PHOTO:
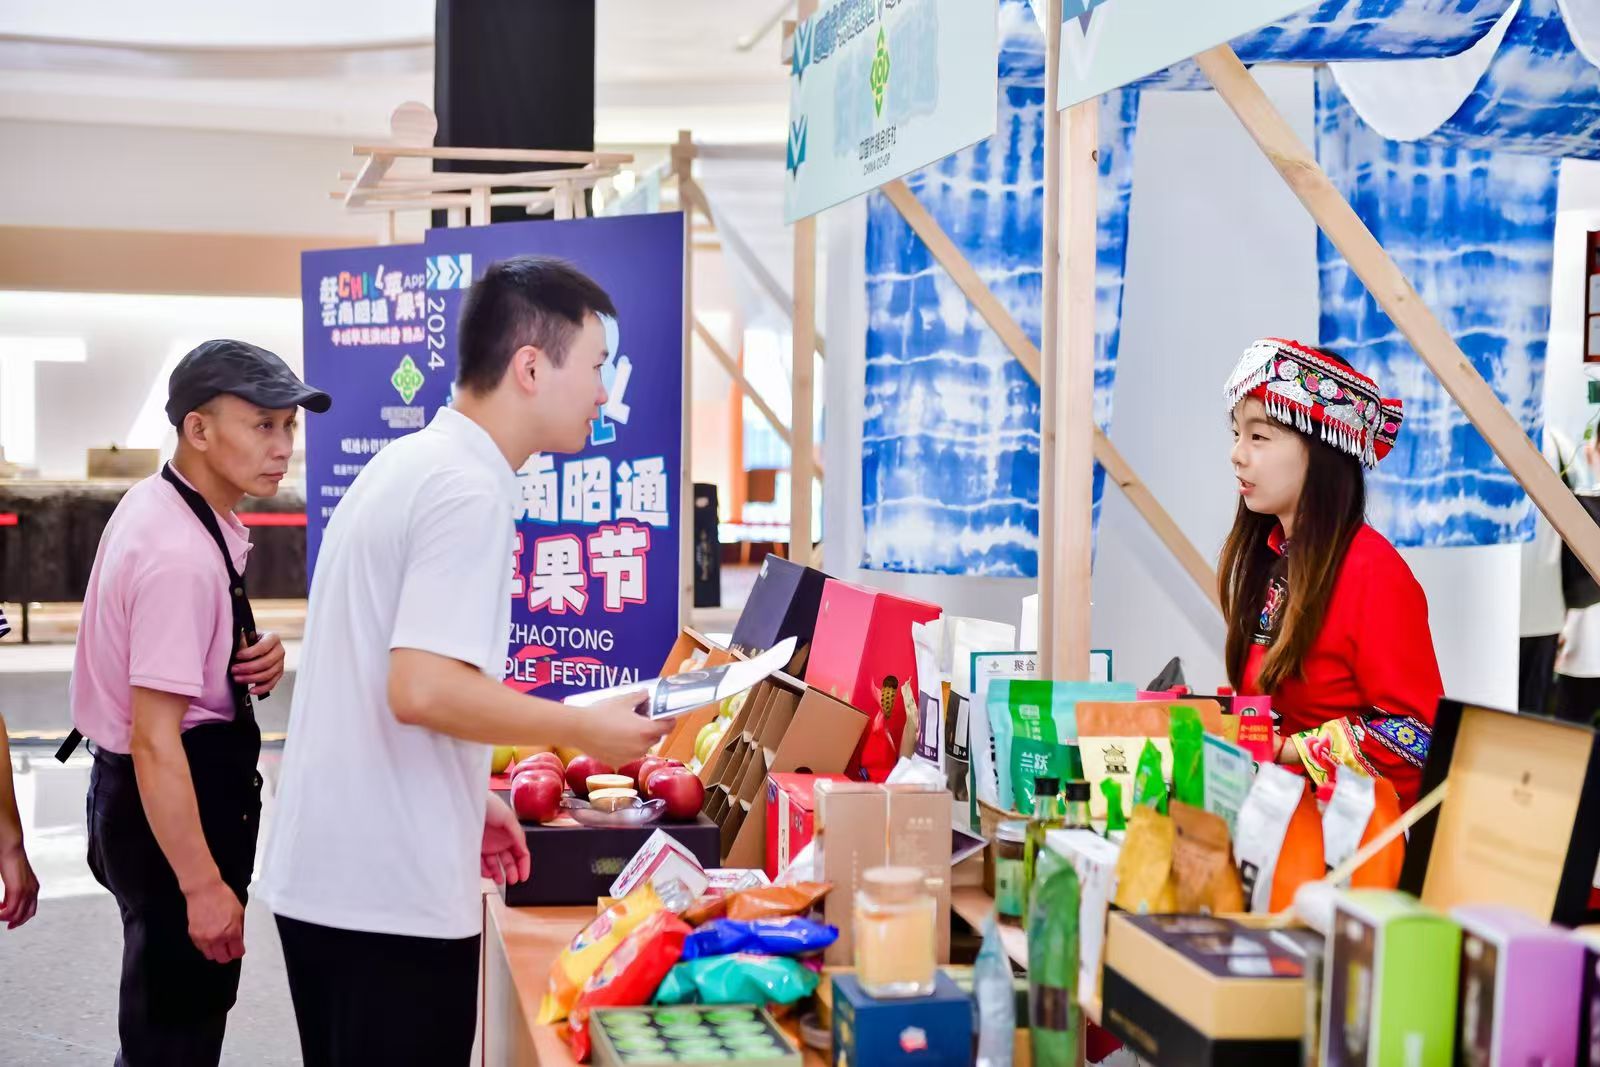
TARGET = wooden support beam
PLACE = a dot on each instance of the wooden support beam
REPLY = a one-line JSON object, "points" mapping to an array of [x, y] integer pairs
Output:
{"points": [[1022, 347], [499, 155], [1068, 599], [695, 197], [1049, 323], [681, 170], [803, 334], [731, 365], [1394, 293], [478, 206]]}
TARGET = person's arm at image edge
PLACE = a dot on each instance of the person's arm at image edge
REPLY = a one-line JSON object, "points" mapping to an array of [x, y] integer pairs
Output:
{"points": [[20, 897], [166, 789]]}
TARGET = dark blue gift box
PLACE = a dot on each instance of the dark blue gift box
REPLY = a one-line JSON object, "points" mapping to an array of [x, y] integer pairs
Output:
{"points": [[931, 1031]]}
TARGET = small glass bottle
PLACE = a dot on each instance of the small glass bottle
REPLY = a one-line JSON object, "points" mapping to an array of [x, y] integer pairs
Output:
{"points": [[1077, 817], [895, 933], [1046, 816], [1010, 882]]}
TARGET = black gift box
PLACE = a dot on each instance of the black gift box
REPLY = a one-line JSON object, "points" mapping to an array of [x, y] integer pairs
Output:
{"points": [[783, 603], [1521, 824], [574, 864]]}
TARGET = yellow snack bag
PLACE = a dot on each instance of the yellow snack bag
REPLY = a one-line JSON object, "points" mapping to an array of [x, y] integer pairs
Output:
{"points": [[591, 948]]}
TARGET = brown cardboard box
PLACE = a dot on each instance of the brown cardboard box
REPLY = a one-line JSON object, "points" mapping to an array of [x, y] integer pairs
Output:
{"points": [[784, 727], [861, 825]]}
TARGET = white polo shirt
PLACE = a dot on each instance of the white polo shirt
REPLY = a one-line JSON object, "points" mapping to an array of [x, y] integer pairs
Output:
{"points": [[379, 825]]}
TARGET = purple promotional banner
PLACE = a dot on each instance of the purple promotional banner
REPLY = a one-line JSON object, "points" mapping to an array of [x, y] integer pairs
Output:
{"points": [[596, 580], [367, 343]]}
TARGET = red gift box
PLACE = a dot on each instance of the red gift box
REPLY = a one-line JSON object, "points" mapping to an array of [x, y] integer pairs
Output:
{"points": [[862, 654], [791, 816]]}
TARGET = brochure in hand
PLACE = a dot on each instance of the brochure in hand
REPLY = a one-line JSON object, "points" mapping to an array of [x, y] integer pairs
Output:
{"points": [[666, 698]]}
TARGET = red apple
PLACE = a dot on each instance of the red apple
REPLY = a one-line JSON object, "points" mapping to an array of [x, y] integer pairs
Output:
{"points": [[543, 759], [682, 790], [648, 766], [536, 796], [631, 768], [664, 765], [579, 770]]}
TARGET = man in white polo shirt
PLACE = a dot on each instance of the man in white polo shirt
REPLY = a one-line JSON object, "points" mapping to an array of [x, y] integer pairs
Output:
{"points": [[384, 822]]}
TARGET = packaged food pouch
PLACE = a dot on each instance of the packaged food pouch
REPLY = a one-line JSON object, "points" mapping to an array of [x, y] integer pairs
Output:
{"points": [[1360, 810], [1301, 859], [776, 901], [1111, 789], [995, 995], [1188, 770], [963, 638], [933, 687], [1149, 788], [1144, 868], [590, 949], [790, 936], [1262, 825], [1202, 863], [630, 976], [1036, 731], [738, 979]]}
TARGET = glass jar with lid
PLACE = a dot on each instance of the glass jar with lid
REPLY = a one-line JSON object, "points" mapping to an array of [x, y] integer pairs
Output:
{"points": [[895, 933], [1010, 878]]}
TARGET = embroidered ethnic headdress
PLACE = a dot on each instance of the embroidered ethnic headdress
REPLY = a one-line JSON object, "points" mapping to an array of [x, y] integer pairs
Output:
{"points": [[1301, 387]]}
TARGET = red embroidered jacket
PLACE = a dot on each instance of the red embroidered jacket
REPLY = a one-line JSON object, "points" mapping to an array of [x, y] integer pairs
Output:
{"points": [[1372, 663]]}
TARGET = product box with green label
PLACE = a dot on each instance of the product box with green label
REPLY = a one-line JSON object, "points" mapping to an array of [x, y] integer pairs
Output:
{"points": [[1392, 982]]}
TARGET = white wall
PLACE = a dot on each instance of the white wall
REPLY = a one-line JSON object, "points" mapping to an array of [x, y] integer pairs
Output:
{"points": [[1219, 253]]}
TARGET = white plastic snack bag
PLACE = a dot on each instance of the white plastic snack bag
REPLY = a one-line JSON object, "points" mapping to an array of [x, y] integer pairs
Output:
{"points": [[1347, 815], [1263, 825], [933, 681], [965, 637]]}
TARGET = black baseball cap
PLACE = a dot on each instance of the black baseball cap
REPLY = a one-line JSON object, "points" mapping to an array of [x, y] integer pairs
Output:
{"points": [[245, 370]]}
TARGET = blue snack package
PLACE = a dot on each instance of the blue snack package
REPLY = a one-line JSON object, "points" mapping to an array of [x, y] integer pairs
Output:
{"points": [[789, 936]]}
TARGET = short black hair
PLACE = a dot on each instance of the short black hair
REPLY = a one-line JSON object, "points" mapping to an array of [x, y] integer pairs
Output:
{"points": [[525, 300]]}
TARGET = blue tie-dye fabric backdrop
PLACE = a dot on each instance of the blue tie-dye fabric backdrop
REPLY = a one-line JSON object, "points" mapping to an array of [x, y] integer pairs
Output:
{"points": [[1473, 231], [950, 443]]}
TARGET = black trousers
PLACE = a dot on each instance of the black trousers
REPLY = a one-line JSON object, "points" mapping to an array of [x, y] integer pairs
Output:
{"points": [[1536, 672], [173, 1002], [381, 998], [1577, 699]]}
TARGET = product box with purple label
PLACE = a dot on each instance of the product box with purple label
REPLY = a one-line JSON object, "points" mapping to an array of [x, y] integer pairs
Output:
{"points": [[1521, 983]]}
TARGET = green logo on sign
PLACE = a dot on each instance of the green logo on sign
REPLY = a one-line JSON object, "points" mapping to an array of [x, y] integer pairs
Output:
{"points": [[407, 379], [879, 77]]}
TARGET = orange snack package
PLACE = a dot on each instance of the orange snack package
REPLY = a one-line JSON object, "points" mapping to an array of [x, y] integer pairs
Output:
{"points": [[1301, 859], [1383, 870], [595, 942], [776, 901]]}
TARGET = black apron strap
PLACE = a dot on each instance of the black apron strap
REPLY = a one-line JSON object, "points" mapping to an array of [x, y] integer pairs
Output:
{"points": [[244, 619]]}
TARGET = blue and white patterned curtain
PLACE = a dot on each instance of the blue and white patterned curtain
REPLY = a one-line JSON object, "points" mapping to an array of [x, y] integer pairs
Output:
{"points": [[950, 443], [1473, 231]]}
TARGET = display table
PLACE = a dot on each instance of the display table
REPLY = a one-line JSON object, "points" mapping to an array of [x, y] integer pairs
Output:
{"points": [[519, 944]]}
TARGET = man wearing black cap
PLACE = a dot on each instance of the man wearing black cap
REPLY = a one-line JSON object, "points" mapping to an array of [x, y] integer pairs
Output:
{"points": [[167, 661]]}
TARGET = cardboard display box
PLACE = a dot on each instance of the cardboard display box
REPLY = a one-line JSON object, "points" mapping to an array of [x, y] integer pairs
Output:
{"points": [[1202, 990], [574, 864], [783, 603], [863, 654], [1521, 987], [1393, 967], [784, 727], [862, 825], [1521, 824]]}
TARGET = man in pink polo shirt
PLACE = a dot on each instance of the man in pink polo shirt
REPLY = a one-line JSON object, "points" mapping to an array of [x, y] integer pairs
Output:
{"points": [[167, 661]]}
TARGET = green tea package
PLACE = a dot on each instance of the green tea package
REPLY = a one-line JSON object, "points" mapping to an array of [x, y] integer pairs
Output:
{"points": [[1188, 754], [1149, 787], [1035, 730], [1111, 790]]}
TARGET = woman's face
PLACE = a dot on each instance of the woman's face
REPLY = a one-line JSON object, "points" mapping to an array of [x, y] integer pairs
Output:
{"points": [[1269, 459]]}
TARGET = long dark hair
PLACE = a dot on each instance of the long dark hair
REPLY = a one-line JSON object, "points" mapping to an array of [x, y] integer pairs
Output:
{"points": [[1333, 506]]}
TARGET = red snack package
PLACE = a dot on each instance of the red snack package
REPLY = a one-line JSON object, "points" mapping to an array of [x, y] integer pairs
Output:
{"points": [[630, 975]]}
